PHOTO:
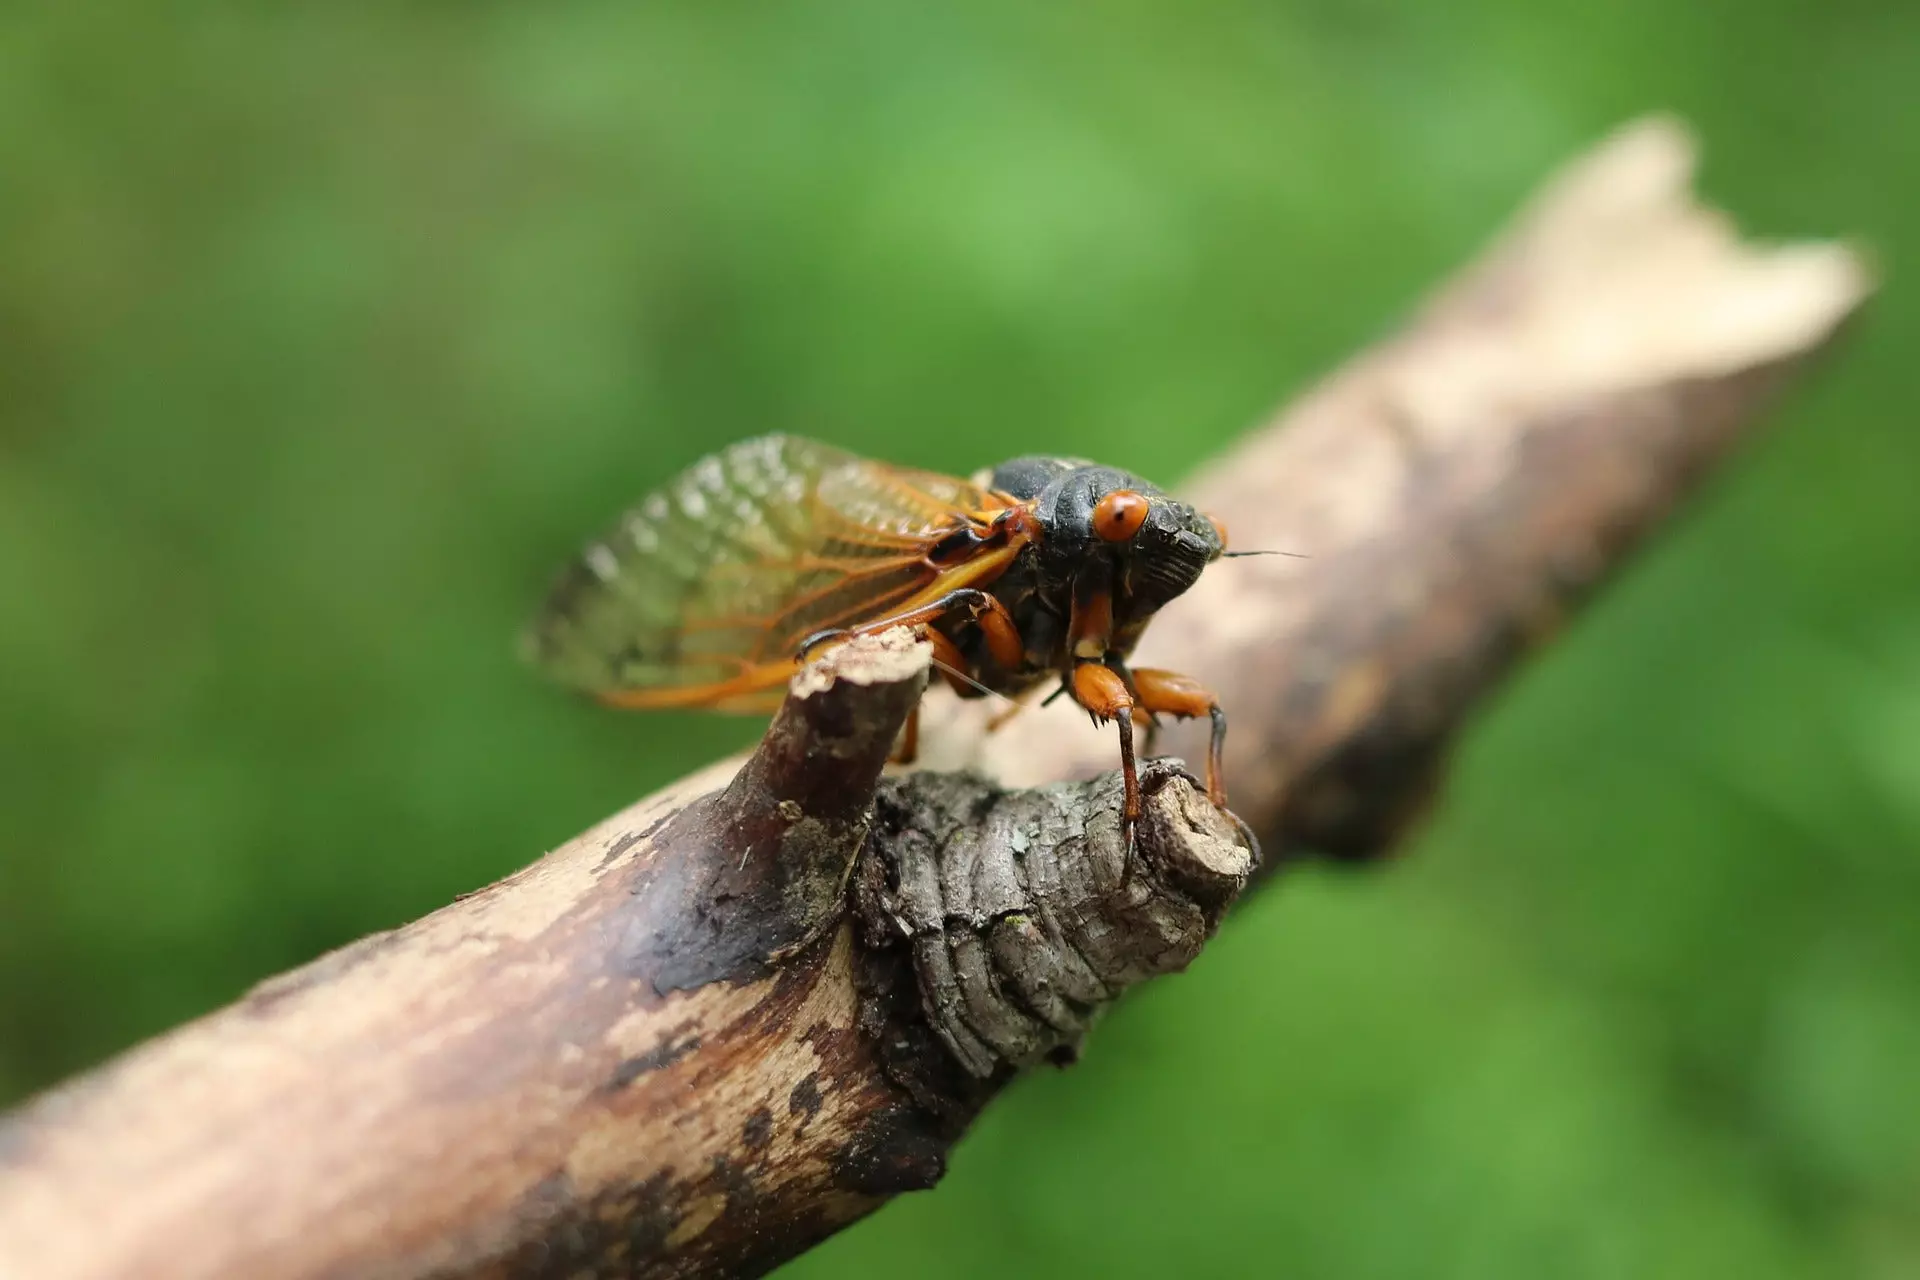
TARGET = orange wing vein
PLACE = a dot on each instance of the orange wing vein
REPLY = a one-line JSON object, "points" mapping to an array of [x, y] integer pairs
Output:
{"points": [[700, 595]]}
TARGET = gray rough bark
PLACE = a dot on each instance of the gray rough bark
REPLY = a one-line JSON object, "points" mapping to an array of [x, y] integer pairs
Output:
{"points": [[743, 1013]]}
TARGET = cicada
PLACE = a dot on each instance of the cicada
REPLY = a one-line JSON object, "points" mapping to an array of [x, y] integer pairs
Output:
{"points": [[1043, 571]]}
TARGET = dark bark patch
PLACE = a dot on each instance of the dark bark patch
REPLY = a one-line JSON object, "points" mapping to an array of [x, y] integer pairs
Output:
{"points": [[897, 1149], [628, 840], [805, 1099], [598, 1237], [759, 1129], [665, 1053], [761, 866], [749, 886]]}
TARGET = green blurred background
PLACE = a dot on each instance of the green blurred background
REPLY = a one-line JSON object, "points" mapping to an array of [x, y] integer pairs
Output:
{"points": [[326, 335]]}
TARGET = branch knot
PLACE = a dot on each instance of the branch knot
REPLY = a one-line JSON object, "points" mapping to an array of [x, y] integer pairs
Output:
{"points": [[1022, 925]]}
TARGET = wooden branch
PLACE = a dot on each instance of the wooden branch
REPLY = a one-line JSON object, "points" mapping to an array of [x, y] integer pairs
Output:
{"points": [[1460, 488], [692, 1041], [741, 1014]]}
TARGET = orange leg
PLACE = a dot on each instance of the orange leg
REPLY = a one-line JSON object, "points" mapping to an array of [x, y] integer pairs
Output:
{"points": [[1170, 693], [1103, 692], [1003, 637], [907, 749], [950, 664], [1015, 705], [1090, 629]]}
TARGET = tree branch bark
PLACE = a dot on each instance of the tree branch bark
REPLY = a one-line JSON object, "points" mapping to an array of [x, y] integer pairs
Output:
{"points": [[725, 1023]]}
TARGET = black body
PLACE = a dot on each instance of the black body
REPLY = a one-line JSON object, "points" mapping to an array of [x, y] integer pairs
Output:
{"points": [[1067, 562]]}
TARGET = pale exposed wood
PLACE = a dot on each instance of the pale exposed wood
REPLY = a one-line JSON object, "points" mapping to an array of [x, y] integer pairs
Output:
{"points": [[1459, 488]]}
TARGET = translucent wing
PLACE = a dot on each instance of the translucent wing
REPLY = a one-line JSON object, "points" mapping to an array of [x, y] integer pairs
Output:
{"points": [[702, 594]]}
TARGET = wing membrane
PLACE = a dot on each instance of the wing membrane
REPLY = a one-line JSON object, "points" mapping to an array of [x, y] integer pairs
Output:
{"points": [[701, 594]]}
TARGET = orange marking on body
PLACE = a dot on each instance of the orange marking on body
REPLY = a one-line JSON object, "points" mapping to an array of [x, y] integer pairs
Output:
{"points": [[980, 571], [1219, 529], [1090, 630]]}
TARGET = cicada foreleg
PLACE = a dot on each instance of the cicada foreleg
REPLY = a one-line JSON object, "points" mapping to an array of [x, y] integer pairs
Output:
{"points": [[996, 624], [907, 748], [1170, 693], [1103, 693], [952, 666], [1108, 691]]}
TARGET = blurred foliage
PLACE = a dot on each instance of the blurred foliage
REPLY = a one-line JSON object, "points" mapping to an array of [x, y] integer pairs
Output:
{"points": [[327, 332]]}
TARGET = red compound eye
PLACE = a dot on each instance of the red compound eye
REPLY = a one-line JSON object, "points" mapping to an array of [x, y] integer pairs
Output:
{"points": [[1119, 515]]}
